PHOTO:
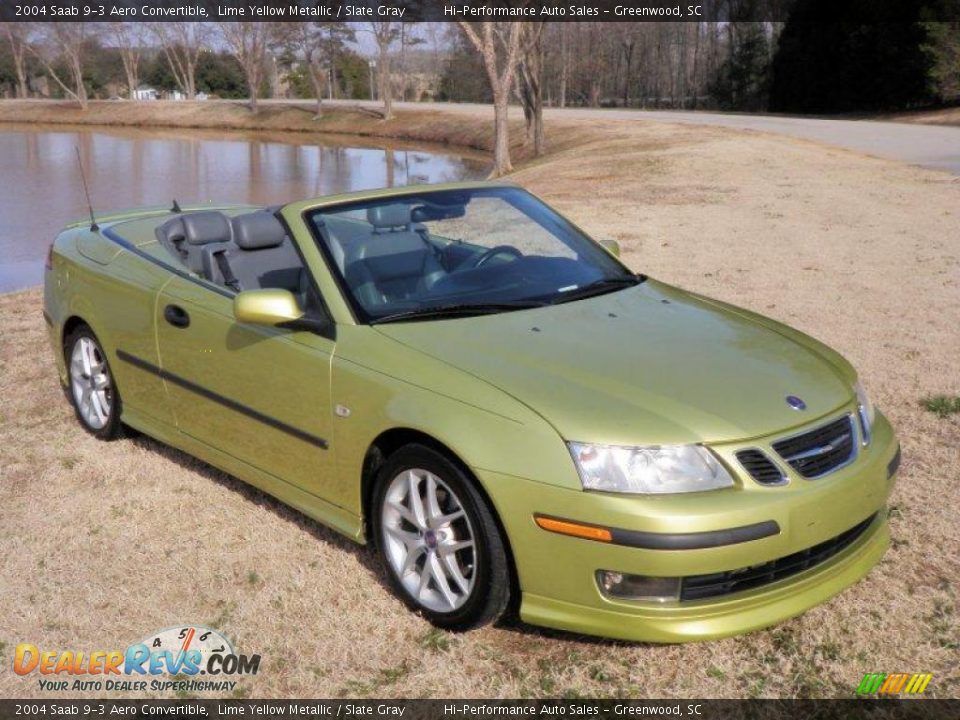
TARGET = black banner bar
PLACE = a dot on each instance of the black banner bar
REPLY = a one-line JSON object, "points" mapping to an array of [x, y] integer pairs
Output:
{"points": [[693, 709], [853, 11]]}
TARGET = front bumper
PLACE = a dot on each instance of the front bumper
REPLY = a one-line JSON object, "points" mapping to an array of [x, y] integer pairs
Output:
{"points": [[557, 572]]}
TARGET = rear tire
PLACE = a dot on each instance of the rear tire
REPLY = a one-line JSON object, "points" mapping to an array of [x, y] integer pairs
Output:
{"points": [[91, 387], [439, 541]]}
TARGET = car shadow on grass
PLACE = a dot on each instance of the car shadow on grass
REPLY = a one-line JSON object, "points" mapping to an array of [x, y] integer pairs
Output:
{"points": [[251, 494], [365, 554]]}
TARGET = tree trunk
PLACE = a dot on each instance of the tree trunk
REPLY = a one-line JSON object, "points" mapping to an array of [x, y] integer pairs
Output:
{"points": [[501, 131], [563, 65], [386, 89], [74, 64], [18, 50], [81, 90], [23, 90], [317, 83], [131, 84], [530, 86], [501, 82], [595, 92], [696, 67], [628, 63], [254, 78], [253, 69], [130, 70]]}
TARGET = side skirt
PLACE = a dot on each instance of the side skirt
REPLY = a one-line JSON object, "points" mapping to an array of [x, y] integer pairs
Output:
{"points": [[336, 518]]}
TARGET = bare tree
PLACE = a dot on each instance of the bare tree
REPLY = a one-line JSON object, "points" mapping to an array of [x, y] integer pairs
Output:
{"points": [[499, 45], [16, 34], [564, 60], [317, 44], [530, 85], [436, 36], [627, 37], [182, 42], [129, 41], [63, 43], [302, 37], [384, 33], [248, 44]]}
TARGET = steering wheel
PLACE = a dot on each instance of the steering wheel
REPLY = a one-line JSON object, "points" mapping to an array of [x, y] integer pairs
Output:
{"points": [[493, 252]]}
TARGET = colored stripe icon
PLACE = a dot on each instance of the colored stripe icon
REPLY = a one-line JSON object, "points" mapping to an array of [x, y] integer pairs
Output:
{"points": [[894, 683]]}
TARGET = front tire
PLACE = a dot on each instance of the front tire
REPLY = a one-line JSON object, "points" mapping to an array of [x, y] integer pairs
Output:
{"points": [[438, 540], [93, 392]]}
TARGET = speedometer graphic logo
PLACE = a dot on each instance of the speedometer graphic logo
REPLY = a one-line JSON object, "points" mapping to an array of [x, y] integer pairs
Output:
{"points": [[183, 639]]}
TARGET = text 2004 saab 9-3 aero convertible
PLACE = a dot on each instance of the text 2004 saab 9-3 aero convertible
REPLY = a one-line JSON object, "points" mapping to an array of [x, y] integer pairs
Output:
{"points": [[462, 377]]}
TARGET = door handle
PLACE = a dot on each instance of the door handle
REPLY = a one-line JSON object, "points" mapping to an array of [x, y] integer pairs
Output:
{"points": [[176, 316]]}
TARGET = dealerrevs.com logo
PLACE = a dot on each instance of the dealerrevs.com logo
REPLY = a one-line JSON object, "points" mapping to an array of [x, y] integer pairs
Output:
{"points": [[180, 655]]}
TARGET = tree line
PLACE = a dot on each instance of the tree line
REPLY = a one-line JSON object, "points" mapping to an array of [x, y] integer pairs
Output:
{"points": [[800, 65], [80, 61]]}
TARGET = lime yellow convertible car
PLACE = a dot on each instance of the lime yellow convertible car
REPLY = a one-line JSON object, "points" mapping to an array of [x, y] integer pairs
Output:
{"points": [[513, 418]]}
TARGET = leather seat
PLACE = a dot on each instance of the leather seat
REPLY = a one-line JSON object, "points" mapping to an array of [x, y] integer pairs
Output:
{"points": [[260, 256], [190, 234], [396, 260]]}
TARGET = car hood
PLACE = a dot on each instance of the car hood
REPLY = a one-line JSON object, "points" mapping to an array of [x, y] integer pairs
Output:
{"points": [[646, 365]]}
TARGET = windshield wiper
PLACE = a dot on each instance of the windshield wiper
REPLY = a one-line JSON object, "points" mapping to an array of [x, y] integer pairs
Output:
{"points": [[460, 310], [598, 287]]}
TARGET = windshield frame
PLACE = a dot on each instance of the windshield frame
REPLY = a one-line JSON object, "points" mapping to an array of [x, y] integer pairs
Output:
{"points": [[361, 314]]}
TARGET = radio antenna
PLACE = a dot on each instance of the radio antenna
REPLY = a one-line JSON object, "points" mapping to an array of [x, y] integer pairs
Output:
{"points": [[86, 191], [176, 207]]}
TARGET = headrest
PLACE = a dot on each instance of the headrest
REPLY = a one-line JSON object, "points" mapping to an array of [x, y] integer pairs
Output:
{"points": [[257, 231], [208, 226], [389, 216]]}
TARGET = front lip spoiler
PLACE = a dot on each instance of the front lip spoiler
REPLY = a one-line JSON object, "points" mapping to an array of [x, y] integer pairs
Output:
{"points": [[894, 463], [681, 541]]}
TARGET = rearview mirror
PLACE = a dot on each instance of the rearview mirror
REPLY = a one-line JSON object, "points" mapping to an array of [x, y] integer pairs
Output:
{"points": [[266, 307], [431, 211], [611, 246]]}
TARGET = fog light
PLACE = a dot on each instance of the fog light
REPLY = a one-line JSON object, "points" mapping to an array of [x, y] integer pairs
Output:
{"points": [[622, 586]]}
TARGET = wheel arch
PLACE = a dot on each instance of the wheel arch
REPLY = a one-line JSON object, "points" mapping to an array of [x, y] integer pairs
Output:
{"points": [[69, 325], [387, 443]]}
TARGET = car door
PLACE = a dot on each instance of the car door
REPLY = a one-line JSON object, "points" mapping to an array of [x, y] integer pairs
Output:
{"points": [[260, 394]]}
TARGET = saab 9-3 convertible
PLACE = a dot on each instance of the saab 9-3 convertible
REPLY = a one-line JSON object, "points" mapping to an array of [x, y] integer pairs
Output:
{"points": [[514, 419]]}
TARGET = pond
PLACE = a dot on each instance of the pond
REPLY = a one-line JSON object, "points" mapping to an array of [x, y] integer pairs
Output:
{"points": [[126, 168]]}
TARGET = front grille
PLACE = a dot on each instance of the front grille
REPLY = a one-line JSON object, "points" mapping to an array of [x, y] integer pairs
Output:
{"points": [[761, 468], [821, 450], [699, 587]]}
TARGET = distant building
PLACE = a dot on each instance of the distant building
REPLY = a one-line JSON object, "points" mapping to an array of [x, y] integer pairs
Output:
{"points": [[145, 92]]}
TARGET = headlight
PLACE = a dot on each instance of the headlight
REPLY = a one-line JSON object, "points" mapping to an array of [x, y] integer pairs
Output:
{"points": [[649, 470], [865, 411]]}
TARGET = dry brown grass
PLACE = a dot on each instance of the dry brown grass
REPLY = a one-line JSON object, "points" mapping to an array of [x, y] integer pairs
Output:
{"points": [[105, 542], [943, 116]]}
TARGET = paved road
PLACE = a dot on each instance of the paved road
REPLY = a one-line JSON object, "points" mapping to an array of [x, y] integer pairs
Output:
{"points": [[931, 146]]}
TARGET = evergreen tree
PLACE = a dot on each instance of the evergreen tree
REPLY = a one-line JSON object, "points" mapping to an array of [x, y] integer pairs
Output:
{"points": [[871, 58]]}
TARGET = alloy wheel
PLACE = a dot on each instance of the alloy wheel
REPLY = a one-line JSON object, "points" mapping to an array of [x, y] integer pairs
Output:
{"points": [[429, 542], [90, 383]]}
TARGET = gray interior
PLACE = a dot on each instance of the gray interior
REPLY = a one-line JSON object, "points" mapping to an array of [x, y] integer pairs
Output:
{"points": [[388, 257], [245, 252]]}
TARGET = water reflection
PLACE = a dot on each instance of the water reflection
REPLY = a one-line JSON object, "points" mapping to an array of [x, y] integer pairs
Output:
{"points": [[127, 168]]}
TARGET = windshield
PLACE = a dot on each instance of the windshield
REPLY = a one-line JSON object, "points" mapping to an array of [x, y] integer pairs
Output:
{"points": [[460, 252]]}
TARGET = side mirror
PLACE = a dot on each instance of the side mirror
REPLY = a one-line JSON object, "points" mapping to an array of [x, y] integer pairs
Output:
{"points": [[266, 307], [611, 246]]}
